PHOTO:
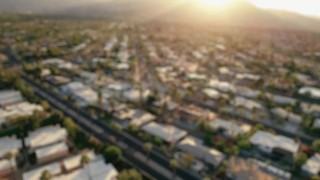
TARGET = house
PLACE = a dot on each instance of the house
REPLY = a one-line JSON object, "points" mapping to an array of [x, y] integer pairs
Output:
{"points": [[97, 170], [277, 145], [45, 136], [195, 147], [222, 86], [211, 93], [135, 117], [35, 174], [58, 80], [283, 114], [251, 169], [74, 162], [246, 103], [228, 128], [316, 124], [168, 133], [9, 97], [192, 114], [17, 110], [51, 152], [134, 95], [312, 109], [7, 168], [312, 166], [311, 92], [247, 79], [247, 92], [282, 100], [9, 144]]}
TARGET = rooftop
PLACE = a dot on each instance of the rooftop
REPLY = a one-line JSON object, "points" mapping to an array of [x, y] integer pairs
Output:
{"points": [[167, 133]]}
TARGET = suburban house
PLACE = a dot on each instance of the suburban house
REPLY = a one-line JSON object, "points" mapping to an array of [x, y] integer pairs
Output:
{"points": [[195, 147], [9, 97], [51, 152], [285, 115], [9, 145], [229, 128], [311, 92], [312, 166], [8, 169], [46, 136], [276, 145], [168, 133], [239, 168]]}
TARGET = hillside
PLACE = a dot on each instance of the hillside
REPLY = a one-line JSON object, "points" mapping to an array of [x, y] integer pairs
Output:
{"points": [[241, 13]]}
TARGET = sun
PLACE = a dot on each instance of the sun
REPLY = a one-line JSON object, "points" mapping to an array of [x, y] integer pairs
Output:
{"points": [[214, 2]]}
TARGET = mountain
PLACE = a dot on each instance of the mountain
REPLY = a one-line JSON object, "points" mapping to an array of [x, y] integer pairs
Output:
{"points": [[239, 13]]}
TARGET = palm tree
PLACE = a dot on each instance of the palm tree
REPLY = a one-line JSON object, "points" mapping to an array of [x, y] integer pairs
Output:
{"points": [[45, 175], [174, 166], [148, 148], [84, 161]]}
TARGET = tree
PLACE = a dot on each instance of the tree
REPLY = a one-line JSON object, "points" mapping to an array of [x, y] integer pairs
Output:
{"points": [[316, 145], [129, 174], [148, 148], [188, 159], [71, 127], [300, 159], [45, 105], [45, 175], [112, 153], [174, 166]]}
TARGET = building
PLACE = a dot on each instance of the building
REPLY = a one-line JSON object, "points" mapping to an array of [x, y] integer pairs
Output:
{"points": [[51, 152], [222, 86], [283, 114], [35, 174], [46, 136], [311, 92], [9, 144], [7, 168], [316, 124], [74, 162], [228, 128], [277, 145], [312, 166], [97, 170], [9, 97], [168, 133], [243, 169], [197, 149]]}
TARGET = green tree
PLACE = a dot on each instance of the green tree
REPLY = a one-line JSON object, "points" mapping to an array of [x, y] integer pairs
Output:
{"points": [[300, 159], [45, 175], [316, 145], [112, 153], [71, 127], [129, 174]]}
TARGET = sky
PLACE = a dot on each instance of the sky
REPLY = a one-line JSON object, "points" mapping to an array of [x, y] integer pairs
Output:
{"points": [[306, 7]]}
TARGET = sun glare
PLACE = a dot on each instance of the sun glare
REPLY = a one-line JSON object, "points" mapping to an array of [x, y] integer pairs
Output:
{"points": [[210, 3]]}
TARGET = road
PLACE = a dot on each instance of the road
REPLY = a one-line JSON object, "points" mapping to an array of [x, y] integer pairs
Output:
{"points": [[158, 165]]}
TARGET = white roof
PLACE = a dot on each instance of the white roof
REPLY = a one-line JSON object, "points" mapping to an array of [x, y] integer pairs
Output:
{"points": [[316, 123], [314, 92], [167, 133], [102, 171], [211, 93], [9, 144], [222, 86], [248, 76], [231, 129], [312, 166], [75, 161], [46, 135], [247, 92], [141, 117], [7, 164], [35, 174], [247, 103], [51, 150], [274, 141], [195, 147], [282, 100], [134, 94]]}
